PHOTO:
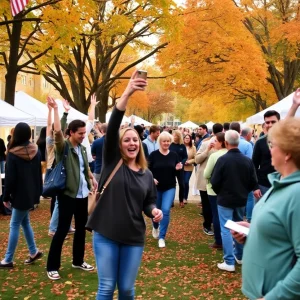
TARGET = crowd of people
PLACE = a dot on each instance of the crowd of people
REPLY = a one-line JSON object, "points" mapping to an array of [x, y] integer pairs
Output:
{"points": [[249, 180]]}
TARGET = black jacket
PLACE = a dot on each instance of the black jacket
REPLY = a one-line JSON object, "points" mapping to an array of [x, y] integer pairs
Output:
{"points": [[233, 178], [262, 161], [23, 177], [2, 150]]}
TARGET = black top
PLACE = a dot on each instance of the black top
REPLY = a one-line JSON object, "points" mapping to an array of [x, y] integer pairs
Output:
{"points": [[180, 149], [97, 150], [262, 161], [23, 177], [118, 215], [233, 178], [163, 169], [2, 150], [42, 149]]}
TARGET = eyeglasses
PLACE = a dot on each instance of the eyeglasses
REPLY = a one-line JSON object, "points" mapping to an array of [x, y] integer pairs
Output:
{"points": [[270, 122]]}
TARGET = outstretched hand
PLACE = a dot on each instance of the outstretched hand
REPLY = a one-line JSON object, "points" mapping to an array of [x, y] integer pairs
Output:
{"points": [[66, 105], [296, 97], [135, 84], [51, 102], [94, 101]]}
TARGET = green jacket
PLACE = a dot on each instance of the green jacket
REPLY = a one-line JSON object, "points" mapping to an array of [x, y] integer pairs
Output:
{"points": [[271, 259], [72, 164]]}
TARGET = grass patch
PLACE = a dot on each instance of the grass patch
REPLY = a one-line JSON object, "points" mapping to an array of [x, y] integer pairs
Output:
{"points": [[185, 269]]}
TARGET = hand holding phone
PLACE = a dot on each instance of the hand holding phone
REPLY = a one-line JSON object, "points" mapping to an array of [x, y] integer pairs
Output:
{"points": [[142, 74]]}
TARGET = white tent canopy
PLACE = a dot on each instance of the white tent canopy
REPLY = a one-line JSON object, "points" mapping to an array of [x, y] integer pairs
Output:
{"points": [[124, 120], [139, 121], [210, 124], [282, 107], [73, 114], [32, 106], [10, 116], [189, 124]]}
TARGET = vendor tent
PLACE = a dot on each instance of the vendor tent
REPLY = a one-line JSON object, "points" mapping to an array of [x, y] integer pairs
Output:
{"points": [[73, 113], [139, 121], [282, 107], [32, 106], [10, 116], [210, 124], [189, 124], [124, 120]]}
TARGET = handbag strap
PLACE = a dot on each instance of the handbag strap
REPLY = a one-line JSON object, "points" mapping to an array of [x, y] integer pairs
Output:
{"points": [[112, 174]]}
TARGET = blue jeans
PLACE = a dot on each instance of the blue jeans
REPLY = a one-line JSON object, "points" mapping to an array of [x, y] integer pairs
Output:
{"points": [[235, 214], [54, 219], [186, 176], [2, 167], [216, 221], [116, 264], [164, 202], [19, 218], [249, 206]]}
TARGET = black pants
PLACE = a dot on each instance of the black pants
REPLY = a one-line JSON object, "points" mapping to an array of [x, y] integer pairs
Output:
{"points": [[180, 180], [206, 210], [52, 204], [67, 208]]}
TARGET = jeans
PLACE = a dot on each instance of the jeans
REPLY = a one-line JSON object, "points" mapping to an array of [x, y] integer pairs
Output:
{"points": [[249, 206], [67, 208], [206, 210], [235, 214], [216, 221], [180, 180], [116, 264], [164, 202], [19, 218], [2, 167], [263, 190], [186, 175], [54, 218]]}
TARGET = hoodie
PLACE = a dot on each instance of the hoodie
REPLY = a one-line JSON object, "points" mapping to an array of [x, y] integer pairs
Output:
{"points": [[23, 177]]}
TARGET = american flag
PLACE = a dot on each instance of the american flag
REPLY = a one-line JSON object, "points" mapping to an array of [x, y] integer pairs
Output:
{"points": [[17, 6]]}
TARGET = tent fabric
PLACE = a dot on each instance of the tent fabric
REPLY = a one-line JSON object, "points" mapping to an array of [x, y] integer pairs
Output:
{"points": [[189, 124], [282, 107], [32, 106], [139, 121], [10, 116], [210, 124], [124, 120], [73, 114]]}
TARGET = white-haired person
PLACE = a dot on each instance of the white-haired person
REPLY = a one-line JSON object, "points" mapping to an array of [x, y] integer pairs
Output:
{"points": [[117, 221], [163, 164]]}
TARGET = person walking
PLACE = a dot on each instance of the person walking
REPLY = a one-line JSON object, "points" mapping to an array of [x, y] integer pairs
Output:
{"points": [[23, 188], [2, 156], [117, 221], [178, 147], [188, 165], [163, 164], [73, 199]]}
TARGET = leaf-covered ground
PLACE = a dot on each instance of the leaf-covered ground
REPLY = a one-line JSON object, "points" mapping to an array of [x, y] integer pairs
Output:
{"points": [[185, 269]]}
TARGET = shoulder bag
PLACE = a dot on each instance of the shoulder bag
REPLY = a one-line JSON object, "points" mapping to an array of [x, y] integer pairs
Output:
{"points": [[55, 178], [94, 197]]}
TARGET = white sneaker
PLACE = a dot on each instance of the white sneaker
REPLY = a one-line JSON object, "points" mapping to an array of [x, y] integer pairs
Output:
{"points": [[161, 243], [239, 261], [155, 232], [229, 268]]}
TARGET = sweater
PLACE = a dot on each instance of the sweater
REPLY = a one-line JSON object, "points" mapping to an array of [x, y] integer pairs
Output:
{"points": [[210, 167], [23, 177], [271, 259], [163, 168], [119, 212], [262, 161], [180, 149], [233, 178], [191, 152]]}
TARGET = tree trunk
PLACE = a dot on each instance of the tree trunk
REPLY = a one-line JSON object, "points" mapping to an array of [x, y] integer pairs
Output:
{"points": [[12, 70], [102, 107]]}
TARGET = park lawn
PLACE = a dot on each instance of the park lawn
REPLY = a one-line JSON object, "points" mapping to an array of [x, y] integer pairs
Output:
{"points": [[185, 269]]}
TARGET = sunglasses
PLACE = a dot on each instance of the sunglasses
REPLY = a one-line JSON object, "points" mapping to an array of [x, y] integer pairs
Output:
{"points": [[271, 122]]}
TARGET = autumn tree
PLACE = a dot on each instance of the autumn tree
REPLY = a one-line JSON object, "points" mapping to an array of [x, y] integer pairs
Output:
{"points": [[26, 38], [275, 25], [216, 56], [91, 66]]}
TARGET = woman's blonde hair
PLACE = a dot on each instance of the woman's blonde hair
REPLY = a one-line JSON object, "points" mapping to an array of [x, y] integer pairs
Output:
{"points": [[165, 135], [140, 158], [179, 135], [286, 133]]}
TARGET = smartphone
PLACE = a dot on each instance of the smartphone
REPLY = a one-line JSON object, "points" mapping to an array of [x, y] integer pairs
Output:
{"points": [[237, 227], [142, 74]]}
